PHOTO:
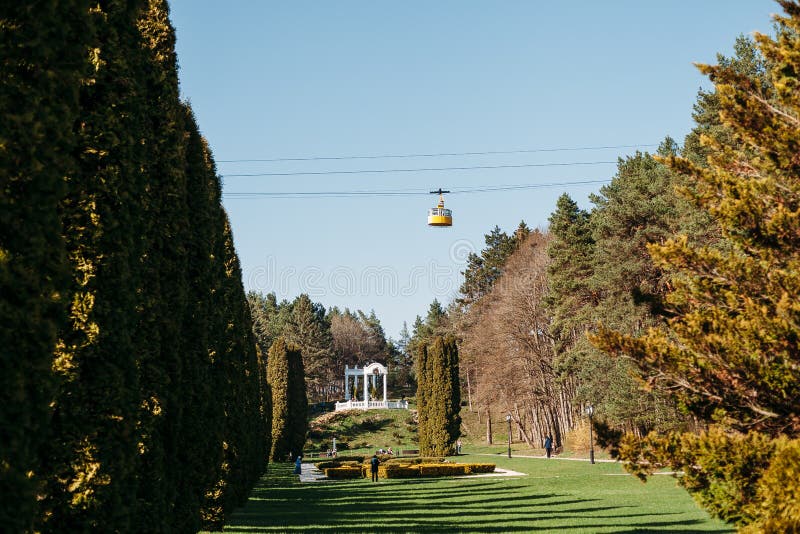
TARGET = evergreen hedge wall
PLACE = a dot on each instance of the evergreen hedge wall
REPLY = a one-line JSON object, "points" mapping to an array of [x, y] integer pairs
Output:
{"points": [[133, 396]]}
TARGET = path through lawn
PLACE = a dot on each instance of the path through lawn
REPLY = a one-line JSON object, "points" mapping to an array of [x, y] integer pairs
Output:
{"points": [[552, 496]]}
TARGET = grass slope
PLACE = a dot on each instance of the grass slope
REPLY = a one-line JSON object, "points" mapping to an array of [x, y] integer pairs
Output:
{"points": [[556, 495], [360, 431]]}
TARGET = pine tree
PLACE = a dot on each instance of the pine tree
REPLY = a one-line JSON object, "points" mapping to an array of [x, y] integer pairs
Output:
{"points": [[43, 50], [484, 269], [572, 253], [309, 330], [730, 348]]}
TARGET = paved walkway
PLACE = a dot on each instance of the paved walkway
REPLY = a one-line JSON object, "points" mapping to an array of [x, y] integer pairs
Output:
{"points": [[310, 473]]}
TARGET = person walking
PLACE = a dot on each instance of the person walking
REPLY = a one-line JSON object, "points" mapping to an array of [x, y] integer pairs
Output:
{"points": [[373, 466], [298, 465], [548, 444]]}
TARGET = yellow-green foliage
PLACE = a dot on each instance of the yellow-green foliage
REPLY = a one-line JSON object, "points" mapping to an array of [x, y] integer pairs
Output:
{"points": [[345, 471], [43, 49], [438, 396], [412, 470], [720, 469], [125, 333], [777, 508], [398, 471], [417, 460]]}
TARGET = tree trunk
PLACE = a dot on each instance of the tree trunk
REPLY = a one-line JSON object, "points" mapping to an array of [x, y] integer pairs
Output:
{"points": [[488, 427]]}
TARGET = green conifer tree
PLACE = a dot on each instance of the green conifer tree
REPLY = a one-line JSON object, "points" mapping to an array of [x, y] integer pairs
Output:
{"points": [[309, 330], [281, 371], [729, 348], [438, 397], [43, 48], [92, 482], [163, 260]]}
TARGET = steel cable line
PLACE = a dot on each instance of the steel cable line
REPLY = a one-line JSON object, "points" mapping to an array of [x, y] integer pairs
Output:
{"points": [[429, 169], [402, 192], [435, 154]]}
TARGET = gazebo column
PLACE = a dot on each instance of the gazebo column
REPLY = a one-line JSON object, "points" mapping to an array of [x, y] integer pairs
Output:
{"points": [[384, 388], [346, 384], [366, 387]]}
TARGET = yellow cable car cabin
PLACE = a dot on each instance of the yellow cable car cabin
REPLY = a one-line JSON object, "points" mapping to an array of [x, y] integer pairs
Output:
{"points": [[439, 216]]}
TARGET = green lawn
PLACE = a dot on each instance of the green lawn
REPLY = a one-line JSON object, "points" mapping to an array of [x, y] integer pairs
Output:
{"points": [[556, 495]]}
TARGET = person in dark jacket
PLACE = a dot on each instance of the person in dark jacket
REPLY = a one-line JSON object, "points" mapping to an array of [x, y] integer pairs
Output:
{"points": [[298, 465], [373, 466], [548, 445]]}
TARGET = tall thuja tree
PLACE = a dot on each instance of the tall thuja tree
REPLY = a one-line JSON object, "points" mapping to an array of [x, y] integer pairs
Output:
{"points": [[730, 348], [163, 260], [439, 390], [92, 461], [236, 378], [43, 46], [201, 424], [284, 364], [452, 390], [423, 396], [298, 401]]}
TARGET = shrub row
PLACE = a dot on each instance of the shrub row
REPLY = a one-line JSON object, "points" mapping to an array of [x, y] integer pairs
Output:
{"points": [[398, 470], [419, 460], [345, 471]]}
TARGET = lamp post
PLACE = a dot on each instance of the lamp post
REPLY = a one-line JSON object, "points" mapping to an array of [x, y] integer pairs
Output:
{"points": [[590, 413], [508, 420]]}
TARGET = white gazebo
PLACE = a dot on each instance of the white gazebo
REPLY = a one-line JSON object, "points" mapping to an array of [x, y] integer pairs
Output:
{"points": [[369, 375]]}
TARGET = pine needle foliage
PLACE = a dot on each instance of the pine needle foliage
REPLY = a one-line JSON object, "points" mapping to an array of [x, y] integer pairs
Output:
{"points": [[729, 349], [732, 348]]}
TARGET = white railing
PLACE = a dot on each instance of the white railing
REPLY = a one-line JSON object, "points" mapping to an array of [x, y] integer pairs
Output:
{"points": [[372, 405]]}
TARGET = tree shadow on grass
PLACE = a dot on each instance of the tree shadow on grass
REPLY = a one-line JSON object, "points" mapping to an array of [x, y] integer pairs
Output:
{"points": [[281, 503]]}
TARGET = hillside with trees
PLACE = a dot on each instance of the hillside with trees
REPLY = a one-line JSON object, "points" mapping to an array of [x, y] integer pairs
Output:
{"points": [[668, 306], [328, 340]]}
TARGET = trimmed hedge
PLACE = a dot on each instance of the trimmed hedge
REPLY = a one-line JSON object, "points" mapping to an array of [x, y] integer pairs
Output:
{"points": [[418, 460], [394, 469], [337, 463], [343, 472], [339, 459], [399, 470]]}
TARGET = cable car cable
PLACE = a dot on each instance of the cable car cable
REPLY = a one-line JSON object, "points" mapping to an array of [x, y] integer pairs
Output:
{"points": [[436, 154], [429, 169], [401, 192]]}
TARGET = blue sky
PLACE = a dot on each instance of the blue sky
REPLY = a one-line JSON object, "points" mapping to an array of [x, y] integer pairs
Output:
{"points": [[299, 79]]}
